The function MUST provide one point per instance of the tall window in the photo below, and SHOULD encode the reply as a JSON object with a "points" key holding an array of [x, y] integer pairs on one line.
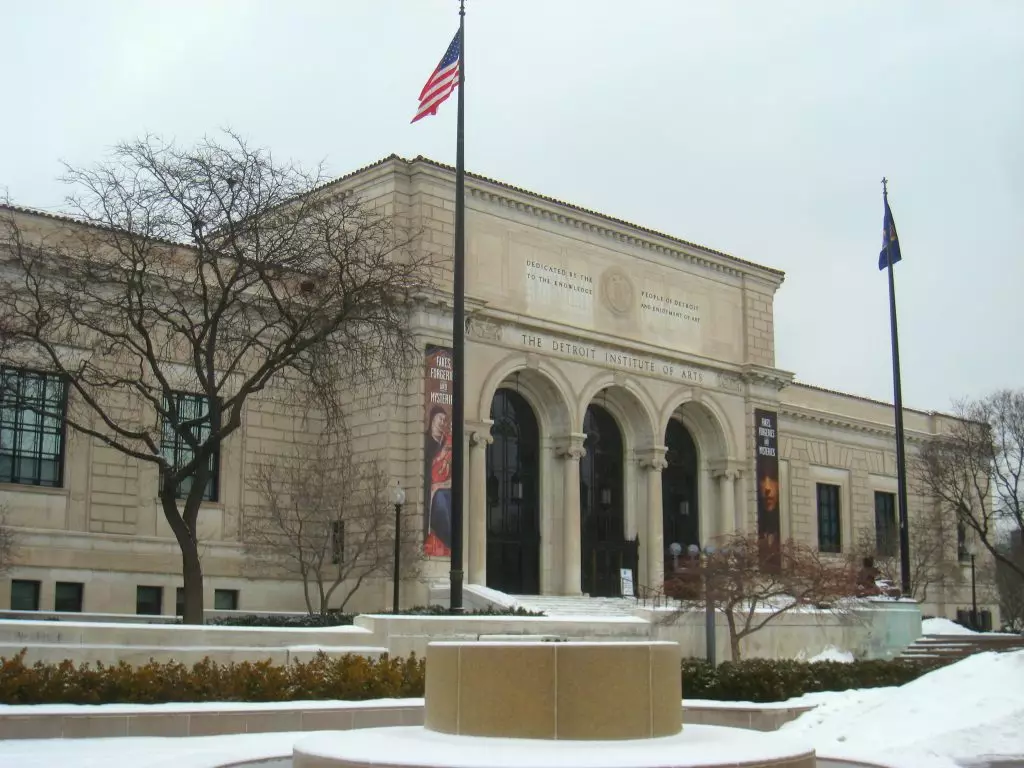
{"points": [[32, 407], [829, 535], [963, 554], [885, 524], [178, 452]]}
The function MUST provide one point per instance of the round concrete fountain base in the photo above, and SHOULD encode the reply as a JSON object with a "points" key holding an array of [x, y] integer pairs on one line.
{"points": [[415, 746]]}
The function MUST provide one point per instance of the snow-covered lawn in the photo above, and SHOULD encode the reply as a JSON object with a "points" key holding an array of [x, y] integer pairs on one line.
{"points": [[968, 713]]}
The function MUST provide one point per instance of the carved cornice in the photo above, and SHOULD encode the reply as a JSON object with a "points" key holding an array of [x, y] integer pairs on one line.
{"points": [[722, 264], [774, 378], [864, 426]]}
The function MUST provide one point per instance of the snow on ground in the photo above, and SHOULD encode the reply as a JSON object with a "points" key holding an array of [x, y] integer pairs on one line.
{"points": [[942, 626], [964, 712], [196, 752], [830, 653]]}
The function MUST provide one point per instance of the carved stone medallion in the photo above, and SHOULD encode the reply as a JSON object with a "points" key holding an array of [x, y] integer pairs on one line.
{"points": [[617, 291]]}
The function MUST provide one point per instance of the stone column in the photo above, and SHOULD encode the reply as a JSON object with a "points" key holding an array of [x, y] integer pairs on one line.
{"points": [[654, 462], [571, 451], [727, 500], [479, 439]]}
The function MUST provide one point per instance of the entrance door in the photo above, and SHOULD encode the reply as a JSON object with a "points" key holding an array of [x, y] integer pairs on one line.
{"points": [[679, 492], [513, 497], [604, 548]]}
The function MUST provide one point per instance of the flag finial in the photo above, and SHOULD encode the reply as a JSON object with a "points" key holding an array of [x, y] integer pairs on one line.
{"points": [[885, 186]]}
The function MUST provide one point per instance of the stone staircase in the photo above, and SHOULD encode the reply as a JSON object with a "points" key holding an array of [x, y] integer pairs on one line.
{"points": [[955, 647], [557, 605]]}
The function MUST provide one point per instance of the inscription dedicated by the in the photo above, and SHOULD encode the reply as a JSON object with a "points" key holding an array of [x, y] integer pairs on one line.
{"points": [[559, 278]]}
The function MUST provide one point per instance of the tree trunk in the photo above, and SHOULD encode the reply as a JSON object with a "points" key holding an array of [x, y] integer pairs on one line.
{"points": [[192, 571], [734, 637], [191, 566]]}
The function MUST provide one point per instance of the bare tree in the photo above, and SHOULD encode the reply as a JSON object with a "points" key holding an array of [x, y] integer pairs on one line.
{"points": [[324, 516], [933, 556], [1009, 586], [752, 585], [975, 470], [211, 272]]}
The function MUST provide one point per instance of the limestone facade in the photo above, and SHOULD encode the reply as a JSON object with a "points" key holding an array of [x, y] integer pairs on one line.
{"points": [[567, 309]]}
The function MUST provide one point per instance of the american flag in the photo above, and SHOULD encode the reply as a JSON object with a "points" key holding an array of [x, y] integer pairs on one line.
{"points": [[442, 81]]}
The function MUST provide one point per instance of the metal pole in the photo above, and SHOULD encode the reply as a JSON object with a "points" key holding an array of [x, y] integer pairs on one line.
{"points": [[398, 551], [709, 618], [459, 338], [974, 598], [901, 460]]}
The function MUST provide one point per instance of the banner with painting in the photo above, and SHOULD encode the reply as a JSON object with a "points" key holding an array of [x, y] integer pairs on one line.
{"points": [[769, 528], [437, 453]]}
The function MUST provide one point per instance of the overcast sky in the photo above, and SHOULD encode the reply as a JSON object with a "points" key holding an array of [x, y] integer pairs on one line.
{"points": [[759, 128]]}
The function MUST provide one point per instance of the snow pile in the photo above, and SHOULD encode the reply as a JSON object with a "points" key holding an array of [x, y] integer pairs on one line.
{"points": [[831, 653], [944, 627], [965, 712]]}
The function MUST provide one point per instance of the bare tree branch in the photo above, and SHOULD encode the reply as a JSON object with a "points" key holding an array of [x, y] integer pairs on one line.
{"points": [[975, 471], [753, 584], [214, 271], [324, 517]]}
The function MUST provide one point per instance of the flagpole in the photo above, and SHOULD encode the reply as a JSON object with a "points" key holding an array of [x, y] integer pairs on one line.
{"points": [[901, 459], [459, 336]]}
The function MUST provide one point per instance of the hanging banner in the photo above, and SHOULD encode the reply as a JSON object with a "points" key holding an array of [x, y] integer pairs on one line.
{"points": [[766, 438], [437, 453]]}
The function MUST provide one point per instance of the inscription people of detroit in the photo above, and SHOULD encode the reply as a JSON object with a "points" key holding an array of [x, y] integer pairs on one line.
{"points": [[610, 357]]}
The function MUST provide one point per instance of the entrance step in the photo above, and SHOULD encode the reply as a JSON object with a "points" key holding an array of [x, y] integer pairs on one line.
{"points": [[559, 605]]}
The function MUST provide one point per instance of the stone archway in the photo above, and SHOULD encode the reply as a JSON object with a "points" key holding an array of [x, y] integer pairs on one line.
{"points": [[679, 493], [535, 399], [617, 429], [604, 548], [513, 496], [701, 472]]}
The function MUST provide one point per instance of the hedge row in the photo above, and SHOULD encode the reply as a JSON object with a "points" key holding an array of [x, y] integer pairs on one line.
{"points": [[352, 678], [357, 678], [766, 680], [336, 619]]}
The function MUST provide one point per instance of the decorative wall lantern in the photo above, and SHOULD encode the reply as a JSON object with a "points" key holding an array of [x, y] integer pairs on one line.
{"points": [[684, 508], [516, 487], [606, 496]]}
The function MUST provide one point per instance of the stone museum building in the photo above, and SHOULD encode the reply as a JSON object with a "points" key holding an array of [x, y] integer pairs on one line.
{"points": [[623, 403]]}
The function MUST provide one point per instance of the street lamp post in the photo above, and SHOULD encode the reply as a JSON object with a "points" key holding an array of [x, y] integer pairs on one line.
{"points": [[709, 604], [398, 499]]}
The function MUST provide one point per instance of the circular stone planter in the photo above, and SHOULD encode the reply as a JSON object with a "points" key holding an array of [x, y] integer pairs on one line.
{"points": [[542, 705], [540, 690]]}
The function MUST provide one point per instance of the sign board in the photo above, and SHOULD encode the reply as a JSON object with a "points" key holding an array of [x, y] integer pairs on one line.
{"points": [[766, 441], [626, 582]]}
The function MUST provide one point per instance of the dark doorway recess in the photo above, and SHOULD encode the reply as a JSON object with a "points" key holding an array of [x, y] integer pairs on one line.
{"points": [[513, 496], [604, 547], [680, 516]]}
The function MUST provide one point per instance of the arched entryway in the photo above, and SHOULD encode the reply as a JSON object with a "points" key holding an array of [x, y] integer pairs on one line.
{"points": [[513, 496], [604, 549], [679, 496]]}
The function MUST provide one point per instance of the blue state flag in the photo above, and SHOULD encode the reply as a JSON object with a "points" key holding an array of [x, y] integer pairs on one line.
{"points": [[890, 240]]}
